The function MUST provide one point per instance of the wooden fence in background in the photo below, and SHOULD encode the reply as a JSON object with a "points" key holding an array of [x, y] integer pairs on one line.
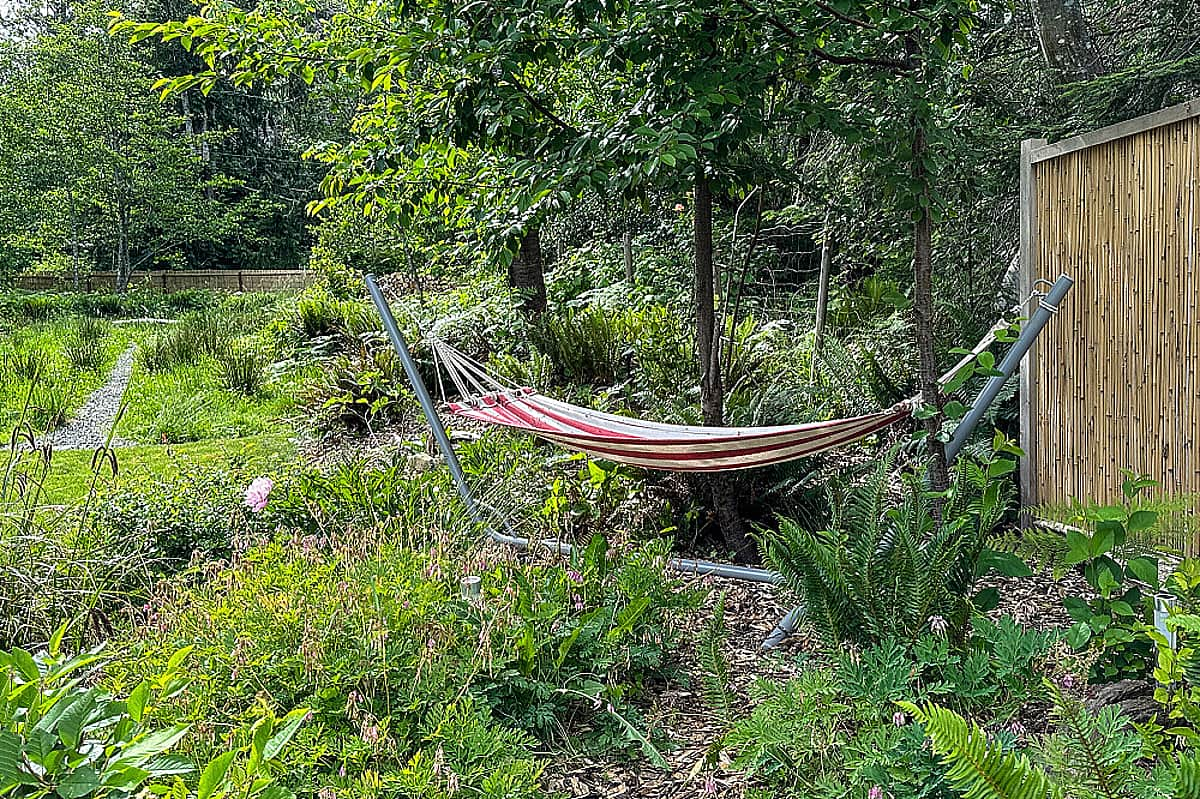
{"points": [[175, 280], [1114, 381]]}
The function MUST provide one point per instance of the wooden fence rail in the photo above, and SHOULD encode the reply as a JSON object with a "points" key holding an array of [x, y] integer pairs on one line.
{"points": [[169, 281]]}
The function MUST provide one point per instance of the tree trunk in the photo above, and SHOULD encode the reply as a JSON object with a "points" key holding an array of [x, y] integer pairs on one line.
{"points": [[822, 294], [1065, 42], [123, 263], [74, 237], [627, 252], [923, 311], [712, 396], [526, 273]]}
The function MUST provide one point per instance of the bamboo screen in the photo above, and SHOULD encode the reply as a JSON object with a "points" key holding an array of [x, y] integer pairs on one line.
{"points": [[1114, 381]]}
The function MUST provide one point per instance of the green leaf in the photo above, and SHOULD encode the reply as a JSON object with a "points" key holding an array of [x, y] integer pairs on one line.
{"points": [[177, 658], [80, 782], [136, 703], [986, 600], [1077, 608], [25, 664], [149, 745], [1004, 563], [1079, 635], [1001, 467], [1141, 520], [10, 760], [285, 731], [214, 775], [1144, 569]]}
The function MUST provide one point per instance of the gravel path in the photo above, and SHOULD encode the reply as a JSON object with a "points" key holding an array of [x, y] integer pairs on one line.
{"points": [[89, 429]]}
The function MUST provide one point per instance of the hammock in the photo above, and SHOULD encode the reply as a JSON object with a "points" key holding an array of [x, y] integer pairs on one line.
{"points": [[657, 445]]}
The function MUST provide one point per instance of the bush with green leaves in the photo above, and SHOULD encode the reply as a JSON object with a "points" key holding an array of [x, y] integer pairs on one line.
{"points": [[835, 731], [61, 736], [361, 390], [381, 643], [1111, 624], [886, 569], [196, 513]]}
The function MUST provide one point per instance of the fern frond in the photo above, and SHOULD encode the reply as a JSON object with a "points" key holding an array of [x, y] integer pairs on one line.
{"points": [[1092, 751], [714, 665], [1185, 774], [978, 767]]}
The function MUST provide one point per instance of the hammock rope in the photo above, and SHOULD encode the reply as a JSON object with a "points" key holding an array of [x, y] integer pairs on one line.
{"points": [[488, 398]]}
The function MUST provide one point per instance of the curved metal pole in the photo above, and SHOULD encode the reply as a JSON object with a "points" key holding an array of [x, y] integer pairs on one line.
{"points": [[509, 537]]}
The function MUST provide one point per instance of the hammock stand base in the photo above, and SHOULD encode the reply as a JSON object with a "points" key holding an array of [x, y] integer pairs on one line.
{"points": [[786, 626]]}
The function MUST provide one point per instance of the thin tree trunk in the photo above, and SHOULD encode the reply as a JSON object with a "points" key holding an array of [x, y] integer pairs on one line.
{"points": [[712, 397], [74, 238], [923, 311], [627, 252], [123, 264], [822, 294], [526, 273]]}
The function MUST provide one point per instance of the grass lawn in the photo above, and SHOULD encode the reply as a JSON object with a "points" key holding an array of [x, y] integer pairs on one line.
{"points": [[71, 472], [61, 385]]}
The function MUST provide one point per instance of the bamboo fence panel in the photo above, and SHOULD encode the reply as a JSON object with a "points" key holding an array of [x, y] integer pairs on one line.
{"points": [[1116, 384]]}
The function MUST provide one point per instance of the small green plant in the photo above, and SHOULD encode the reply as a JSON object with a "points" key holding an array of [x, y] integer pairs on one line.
{"points": [[61, 738], [241, 369], [1112, 624]]}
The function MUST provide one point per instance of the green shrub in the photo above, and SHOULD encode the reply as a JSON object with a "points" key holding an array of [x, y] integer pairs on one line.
{"points": [[890, 570], [196, 514], [361, 389], [85, 349], [59, 737], [835, 731], [1112, 622], [396, 664], [1090, 754]]}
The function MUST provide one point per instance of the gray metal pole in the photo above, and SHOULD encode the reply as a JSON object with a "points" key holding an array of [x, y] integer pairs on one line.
{"points": [[686, 565], [1012, 360]]}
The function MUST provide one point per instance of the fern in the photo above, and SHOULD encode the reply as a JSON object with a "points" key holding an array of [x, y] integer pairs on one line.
{"points": [[884, 568], [714, 665], [1092, 752], [977, 766]]}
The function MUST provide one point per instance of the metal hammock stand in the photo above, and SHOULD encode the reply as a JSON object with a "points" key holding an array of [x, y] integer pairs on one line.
{"points": [[674, 447]]}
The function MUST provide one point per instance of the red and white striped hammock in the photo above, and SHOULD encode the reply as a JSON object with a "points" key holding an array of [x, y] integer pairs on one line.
{"points": [[657, 445]]}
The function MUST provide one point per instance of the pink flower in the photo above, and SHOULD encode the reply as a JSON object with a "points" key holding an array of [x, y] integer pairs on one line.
{"points": [[710, 785], [258, 493], [679, 208], [574, 576], [899, 719], [875, 793]]}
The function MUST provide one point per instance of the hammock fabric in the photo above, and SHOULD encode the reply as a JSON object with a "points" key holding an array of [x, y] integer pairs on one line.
{"points": [[657, 445], [670, 447]]}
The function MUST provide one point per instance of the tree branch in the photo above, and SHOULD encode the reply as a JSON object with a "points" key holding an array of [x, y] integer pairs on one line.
{"points": [[862, 23], [854, 60]]}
